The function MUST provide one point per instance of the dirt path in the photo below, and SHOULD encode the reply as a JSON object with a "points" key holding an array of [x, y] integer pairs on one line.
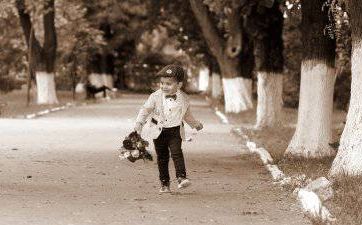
{"points": [[64, 169]]}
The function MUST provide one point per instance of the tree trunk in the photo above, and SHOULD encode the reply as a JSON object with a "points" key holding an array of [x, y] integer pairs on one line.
{"points": [[216, 89], [203, 79], [45, 88], [209, 85], [269, 62], [229, 67], [237, 90], [96, 79], [237, 94], [107, 80], [313, 133], [349, 158], [234, 25], [269, 109], [107, 68], [43, 58], [314, 128]]}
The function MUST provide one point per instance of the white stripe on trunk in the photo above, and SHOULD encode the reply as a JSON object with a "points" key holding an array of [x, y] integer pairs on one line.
{"points": [[269, 108], [349, 157], [237, 94], [96, 79], [216, 86], [314, 128], [46, 93], [203, 79], [107, 80]]}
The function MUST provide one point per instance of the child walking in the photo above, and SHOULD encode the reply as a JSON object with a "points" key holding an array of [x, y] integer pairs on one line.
{"points": [[166, 109]]}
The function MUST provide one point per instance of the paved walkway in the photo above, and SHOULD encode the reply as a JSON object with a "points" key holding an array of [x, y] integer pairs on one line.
{"points": [[64, 169]]}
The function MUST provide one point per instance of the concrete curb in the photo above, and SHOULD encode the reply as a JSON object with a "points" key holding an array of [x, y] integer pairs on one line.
{"points": [[311, 204], [218, 113], [50, 110]]}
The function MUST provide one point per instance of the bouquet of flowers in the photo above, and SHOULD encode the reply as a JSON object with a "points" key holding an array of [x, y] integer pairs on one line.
{"points": [[134, 148]]}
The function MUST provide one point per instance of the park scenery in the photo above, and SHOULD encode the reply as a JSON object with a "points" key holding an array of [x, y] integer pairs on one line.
{"points": [[276, 85]]}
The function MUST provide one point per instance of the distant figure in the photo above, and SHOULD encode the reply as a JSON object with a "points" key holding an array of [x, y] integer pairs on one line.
{"points": [[92, 90], [166, 109]]}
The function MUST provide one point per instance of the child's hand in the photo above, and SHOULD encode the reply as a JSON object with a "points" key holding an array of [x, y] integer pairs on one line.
{"points": [[199, 126]]}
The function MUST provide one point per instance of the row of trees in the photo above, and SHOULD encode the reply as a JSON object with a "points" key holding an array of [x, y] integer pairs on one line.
{"points": [[257, 26]]}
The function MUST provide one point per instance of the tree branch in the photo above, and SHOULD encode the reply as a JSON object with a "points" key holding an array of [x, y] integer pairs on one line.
{"points": [[26, 25], [214, 41]]}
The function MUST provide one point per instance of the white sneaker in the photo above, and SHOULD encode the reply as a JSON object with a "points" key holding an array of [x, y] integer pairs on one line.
{"points": [[183, 183], [165, 189]]}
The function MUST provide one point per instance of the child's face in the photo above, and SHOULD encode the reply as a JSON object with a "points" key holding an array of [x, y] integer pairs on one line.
{"points": [[169, 85]]}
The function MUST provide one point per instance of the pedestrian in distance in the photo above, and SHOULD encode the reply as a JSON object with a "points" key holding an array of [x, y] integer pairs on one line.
{"points": [[166, 110]]}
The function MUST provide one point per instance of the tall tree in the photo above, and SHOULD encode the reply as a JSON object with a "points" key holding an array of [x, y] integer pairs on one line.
{"points": [[349, 158], [43, 57], [237, 90], [268, 22], [314, 127]]}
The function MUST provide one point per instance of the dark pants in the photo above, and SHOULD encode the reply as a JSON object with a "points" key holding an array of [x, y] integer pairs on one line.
{"points": [[169, 141]]}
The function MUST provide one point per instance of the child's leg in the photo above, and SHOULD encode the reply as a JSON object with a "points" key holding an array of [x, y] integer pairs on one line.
{"points": [[175, 142], [163, 157]]}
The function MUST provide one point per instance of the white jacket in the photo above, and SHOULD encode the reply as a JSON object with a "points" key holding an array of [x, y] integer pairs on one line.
{"points": [[152, 114]]}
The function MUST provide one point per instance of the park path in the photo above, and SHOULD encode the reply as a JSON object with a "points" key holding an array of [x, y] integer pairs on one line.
{"points": [[64, 169]]}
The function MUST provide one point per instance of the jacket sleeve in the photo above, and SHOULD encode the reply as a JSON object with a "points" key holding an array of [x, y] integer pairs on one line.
{"points": [[145, 110], [189, 118]]}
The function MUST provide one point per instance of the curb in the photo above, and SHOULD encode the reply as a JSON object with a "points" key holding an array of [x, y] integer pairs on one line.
{"points": [[310, 202], [218, 113], [50, 110]]}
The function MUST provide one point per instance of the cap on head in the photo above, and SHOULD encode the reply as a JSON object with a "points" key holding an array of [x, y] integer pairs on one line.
{"points": [[174, 71]]}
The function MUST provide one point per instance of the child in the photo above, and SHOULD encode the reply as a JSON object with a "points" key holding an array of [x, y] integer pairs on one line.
{"points": [[167, 108]]}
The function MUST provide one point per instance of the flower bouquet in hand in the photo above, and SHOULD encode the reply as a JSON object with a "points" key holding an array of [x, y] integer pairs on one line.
{"points": [[134, 148]]}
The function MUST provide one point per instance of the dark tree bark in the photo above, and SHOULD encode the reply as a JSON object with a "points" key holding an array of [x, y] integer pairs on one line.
{"points": [[247, 59], [316, 43], [50, 36], [43, 57], [234, 41], [266, 26], [26, 25]]}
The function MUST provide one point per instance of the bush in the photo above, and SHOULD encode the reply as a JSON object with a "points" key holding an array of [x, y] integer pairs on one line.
{"points": [[8, 83]]}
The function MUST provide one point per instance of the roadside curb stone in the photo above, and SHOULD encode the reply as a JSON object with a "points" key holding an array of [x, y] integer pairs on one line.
{"points": [[50, 110]]}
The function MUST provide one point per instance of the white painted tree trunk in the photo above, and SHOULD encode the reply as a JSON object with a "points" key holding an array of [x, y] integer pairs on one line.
{"points": [[314, 128], [203, 79], [237, 94], [80, 88], [349, 157], [269, 108], [108, 80], [46, 93], [96, 79], [216, 89]]}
